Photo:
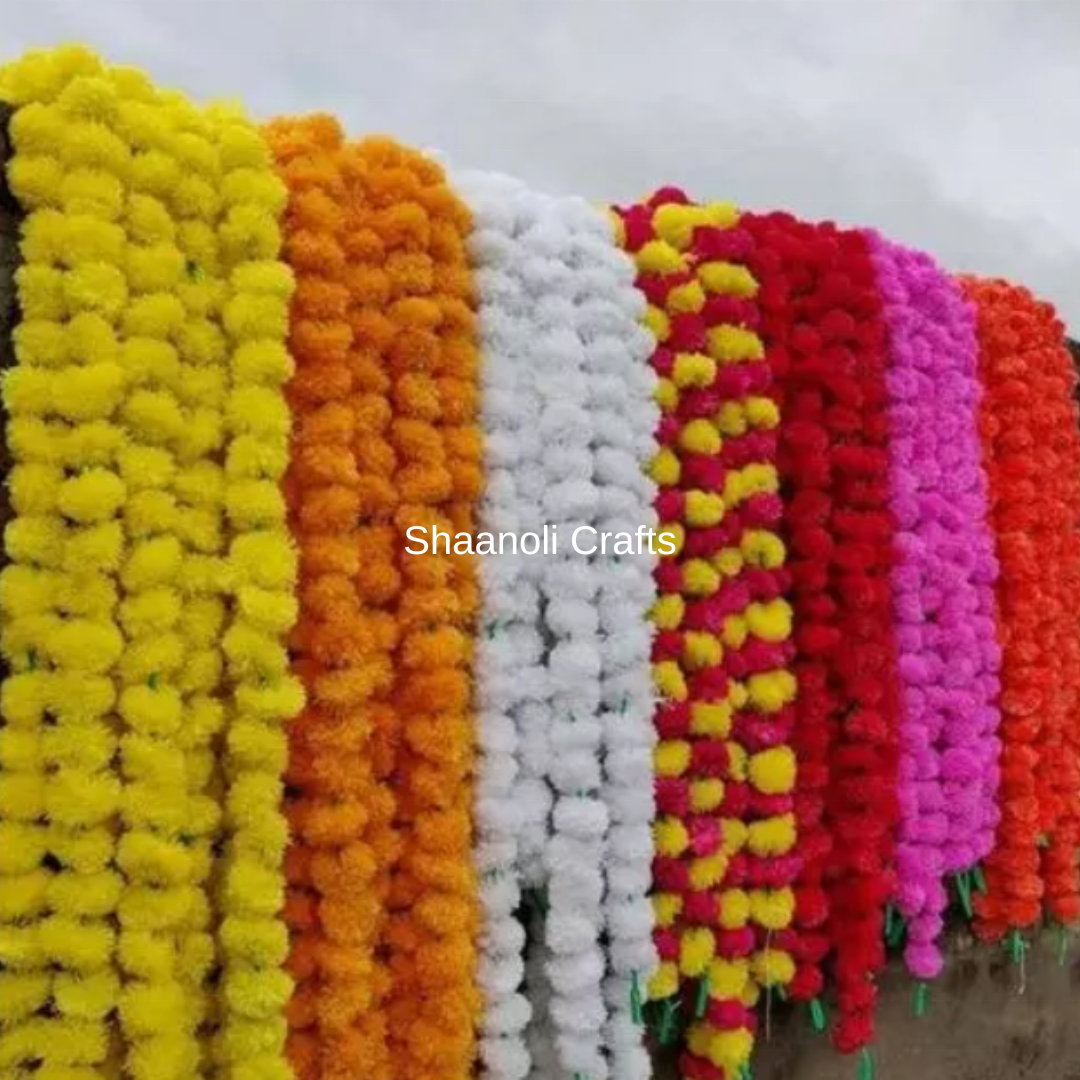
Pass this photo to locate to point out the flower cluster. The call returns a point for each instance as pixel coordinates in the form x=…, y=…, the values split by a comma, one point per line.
x=61, y=639
x=119, y=387
x=822, y=324
x=414, y=337
x=260, y=575
x=1031, y=451
x=569, y=589
x=725, y=835
x=948, y=659
x=620, y=385
x=340, y=500
x=510, y=679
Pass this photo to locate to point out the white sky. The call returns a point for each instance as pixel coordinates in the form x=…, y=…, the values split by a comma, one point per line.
x=950, y=124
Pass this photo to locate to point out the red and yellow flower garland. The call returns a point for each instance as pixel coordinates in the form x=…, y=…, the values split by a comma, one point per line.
x=720, y=650
x=1031, y=450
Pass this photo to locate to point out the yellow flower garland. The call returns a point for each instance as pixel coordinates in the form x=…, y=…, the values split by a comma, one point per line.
x=149, y=435
x=261, y=581
x=61, y=637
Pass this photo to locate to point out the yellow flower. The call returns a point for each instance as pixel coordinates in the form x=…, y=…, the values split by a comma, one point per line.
x=671, y=757
x=723, y=277
x=773, y=836
x=733, y=344
x=772, y=771
x=696, y=948
x=699, y=437
x=693, y=369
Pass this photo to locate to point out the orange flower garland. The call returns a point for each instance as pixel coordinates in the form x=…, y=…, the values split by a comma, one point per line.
x=337, y=810
x=1031, y=450
x=414, y=335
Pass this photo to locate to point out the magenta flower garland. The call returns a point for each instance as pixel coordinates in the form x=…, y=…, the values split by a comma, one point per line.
x=943, y=593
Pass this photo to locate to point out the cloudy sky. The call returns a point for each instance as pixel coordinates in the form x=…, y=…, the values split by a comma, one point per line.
x=950, y=124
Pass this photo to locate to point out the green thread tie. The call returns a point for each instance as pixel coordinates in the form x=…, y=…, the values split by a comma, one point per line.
x=963, y=887
x=922, y=992
x=637, y=1013
x=866, y=1064
x=1018, y=948
x=667, y=1020
x=701, y=1004
x=817, y=1015
x=894, y=927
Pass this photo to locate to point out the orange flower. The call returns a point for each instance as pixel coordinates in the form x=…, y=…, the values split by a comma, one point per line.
x=409, y=264
x=339, y=500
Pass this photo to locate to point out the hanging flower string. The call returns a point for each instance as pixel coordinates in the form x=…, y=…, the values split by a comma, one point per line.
x=60, y=889
x=341, y=644
x=261, y=567
x=823, y=325
x=1030, y=439
x=711, y=463
x=415, y=338
x=943, y=602
x=510, y=679
x=620, y=385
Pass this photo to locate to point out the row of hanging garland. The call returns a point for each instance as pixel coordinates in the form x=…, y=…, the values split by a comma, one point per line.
x=279, y=797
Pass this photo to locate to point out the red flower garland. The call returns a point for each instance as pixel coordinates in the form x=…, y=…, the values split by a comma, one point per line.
x=823, y=328
x=1031, y=449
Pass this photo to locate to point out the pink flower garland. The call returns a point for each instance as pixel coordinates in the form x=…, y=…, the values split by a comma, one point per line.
x=943, y=583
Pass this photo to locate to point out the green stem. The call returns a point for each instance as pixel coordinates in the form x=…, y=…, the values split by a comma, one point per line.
x=866, y=1064
x=979, y=878
x=963, y=886
x=817, y=1014
x=667, y=1020
x=637, y=1012
x=701, y=1004
x=922, y=991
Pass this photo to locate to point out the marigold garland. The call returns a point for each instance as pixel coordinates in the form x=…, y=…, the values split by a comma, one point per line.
x=415, y=339
x=89, y=412
x=621, y=388
x=1031, y=451
x=340, y=504
x=510, y=678
x=823, y=327
x=943, y=593
x=725, y=835
x=260, y=565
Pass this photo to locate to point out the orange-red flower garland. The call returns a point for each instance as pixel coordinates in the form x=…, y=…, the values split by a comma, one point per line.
x=1031, y=450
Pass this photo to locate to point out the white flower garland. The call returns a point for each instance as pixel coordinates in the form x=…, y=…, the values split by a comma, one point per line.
x=624, y=416
x=569, y=587
x=511, y=803
x=565, y=700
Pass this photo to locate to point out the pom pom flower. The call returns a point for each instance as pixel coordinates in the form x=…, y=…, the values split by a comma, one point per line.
x=943, y=593
x=341, y=502
x=825, y=337
x=725, y=835
x=150, y=262
x=1031, y=451
x=414, y=341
